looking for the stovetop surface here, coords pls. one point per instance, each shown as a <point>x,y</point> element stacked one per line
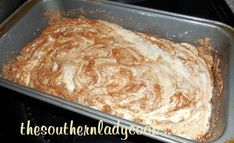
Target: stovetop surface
<point>217,10</point>
<point>16,108</point>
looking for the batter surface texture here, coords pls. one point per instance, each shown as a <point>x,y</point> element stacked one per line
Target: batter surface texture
<point>132,75</point>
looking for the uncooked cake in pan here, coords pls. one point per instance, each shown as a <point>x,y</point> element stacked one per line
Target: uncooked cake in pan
<point>135,76</point>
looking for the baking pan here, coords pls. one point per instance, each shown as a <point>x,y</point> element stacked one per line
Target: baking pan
<point>29,20</point>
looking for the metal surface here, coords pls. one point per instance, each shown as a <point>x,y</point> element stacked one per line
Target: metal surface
<point>29,20</point>
<point>230,4</point>
<point>127,1</point>
<point>224,10</point>
<point>8,6</point>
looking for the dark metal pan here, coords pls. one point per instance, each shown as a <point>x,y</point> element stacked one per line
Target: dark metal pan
<point>29,20</point>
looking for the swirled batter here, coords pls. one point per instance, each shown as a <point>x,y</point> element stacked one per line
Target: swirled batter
<point>135,76</point>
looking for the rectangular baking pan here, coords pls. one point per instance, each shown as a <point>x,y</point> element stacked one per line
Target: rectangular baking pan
<point>29,20</point>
